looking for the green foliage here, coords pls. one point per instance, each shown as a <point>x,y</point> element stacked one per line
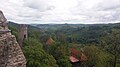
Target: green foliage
<point>82,35</point>
<point>14,30</point>
<point>61,53</point>
<point>111,43</point>
<point>44,38</point>
<point>106,54</point>
<point>34,33</point>
<point>64,62</point>
<point>36,56</point>
<point>96,56</point>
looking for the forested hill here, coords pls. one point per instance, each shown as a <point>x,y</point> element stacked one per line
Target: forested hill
<point>29,26</point>
<point>79,33</point>
<point>71,33</point>
<point>56,26</point>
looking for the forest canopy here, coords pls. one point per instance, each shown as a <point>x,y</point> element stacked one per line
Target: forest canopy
<point>100,43</point>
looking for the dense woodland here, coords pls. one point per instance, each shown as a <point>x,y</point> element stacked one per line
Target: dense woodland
<point>99,42</point>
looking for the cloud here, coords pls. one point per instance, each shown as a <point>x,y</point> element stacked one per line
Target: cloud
<point>41,5</point>
<point>68,11</point>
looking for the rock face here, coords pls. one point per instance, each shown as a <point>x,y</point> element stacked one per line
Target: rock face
<point>11,54</point>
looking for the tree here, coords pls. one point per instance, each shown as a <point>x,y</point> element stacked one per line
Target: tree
<point>96,56</point>
<point>111,43</point>
<point>61,53</point>
<point>36,56</point>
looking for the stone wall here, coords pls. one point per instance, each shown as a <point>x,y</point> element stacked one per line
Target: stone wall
<point>11,54</point>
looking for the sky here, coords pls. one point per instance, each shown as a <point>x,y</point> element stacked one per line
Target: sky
<point>61,11</point>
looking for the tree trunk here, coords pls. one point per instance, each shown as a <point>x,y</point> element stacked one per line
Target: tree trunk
<point>115,61</point>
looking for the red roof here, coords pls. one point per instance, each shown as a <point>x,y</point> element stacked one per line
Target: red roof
<point>78,54</point>
<point>50,41</point>
<point>73,59</point>
<point>75,52</point>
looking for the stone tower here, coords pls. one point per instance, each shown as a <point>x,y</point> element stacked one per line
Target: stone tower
<point>22,33</point>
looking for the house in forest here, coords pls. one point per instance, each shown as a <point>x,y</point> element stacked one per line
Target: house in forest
<point>49,41</point>
<point>77,58</point>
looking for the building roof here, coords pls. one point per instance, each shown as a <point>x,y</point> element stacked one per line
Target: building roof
<point>75,52</point>
<point>78,54</point>
<point>49,41</point>
<point>73,59</point>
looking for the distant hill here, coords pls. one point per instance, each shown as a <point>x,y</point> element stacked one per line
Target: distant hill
<point>79,33</point>
<point>17,25</point>
<point>57,26</point>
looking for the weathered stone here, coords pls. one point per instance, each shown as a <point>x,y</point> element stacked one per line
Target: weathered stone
<point>11,54</point>
<point>22,34</point>
<point>2,17</point>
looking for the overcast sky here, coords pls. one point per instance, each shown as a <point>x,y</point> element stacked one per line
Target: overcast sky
<point>61,11</point>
